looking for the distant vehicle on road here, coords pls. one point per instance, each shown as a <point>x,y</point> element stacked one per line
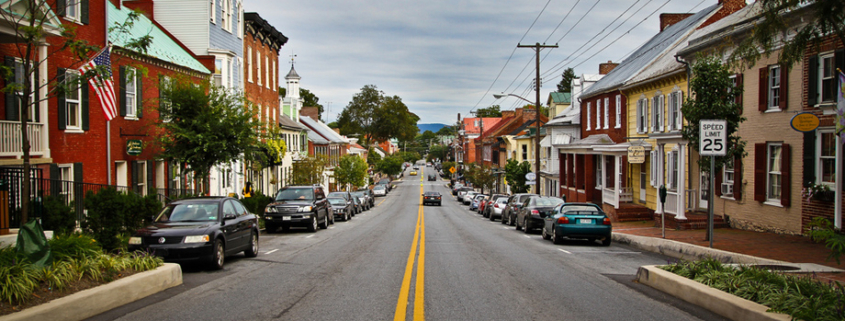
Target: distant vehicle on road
<point>380,190</point>
<point>413,173</point>
<point>432,197</point>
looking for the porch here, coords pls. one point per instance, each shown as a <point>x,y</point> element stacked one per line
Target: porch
<point>11,138</point>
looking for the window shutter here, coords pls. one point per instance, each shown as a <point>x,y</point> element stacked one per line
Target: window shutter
<point>55,180</point>
<point>60,100</point>
<point>763,94</point>
<point>639,115</point>
<point>738,178</point>
<point>55,174</point>
<point>809,158</point>
<point>122,90</point>
<point>680,111</point>
<point>813,82</point>
<point>83,8</point>
<point>139,95</point>
<point>77,173</point>
<point>61,7</point>
<point>662,112</point>
<point>133,180</point>
<point>717,188</point>
<point>84,105</point>
<point>739,85</point>
<point>786,177</point>
<point>760,172</point>
<point>784,85</point>
<point>150,174</point>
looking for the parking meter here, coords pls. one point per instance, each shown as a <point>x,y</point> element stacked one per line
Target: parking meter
<point>662,194</point>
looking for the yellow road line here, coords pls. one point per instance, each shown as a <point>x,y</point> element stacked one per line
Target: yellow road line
<point>404,291</point>
<point>419,294</point>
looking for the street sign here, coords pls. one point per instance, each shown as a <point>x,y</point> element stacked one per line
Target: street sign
<point>530,182</point>
<point>134,147</point>
<point>452,169</point>
<point>712,140</point>
<point>530,176</point>
<point>636,154</point>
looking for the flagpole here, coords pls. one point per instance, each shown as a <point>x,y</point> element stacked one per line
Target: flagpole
<point>108,134</point>
<point>837,204</point>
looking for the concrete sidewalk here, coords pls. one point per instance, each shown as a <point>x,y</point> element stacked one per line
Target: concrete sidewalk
<point>777,247</point>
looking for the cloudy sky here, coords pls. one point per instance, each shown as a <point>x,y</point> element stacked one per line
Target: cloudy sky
<point>449,57</point>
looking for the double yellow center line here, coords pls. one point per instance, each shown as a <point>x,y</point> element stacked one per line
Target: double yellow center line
<point>419,293</point>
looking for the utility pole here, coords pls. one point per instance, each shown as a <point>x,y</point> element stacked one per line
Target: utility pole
<point>537,47</point>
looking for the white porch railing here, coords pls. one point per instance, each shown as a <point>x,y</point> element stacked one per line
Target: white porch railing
<point>625,195</point>
<point>609,196</point>
<point>11,138</point>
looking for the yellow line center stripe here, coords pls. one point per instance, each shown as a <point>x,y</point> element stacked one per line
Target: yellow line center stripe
<point>404,291</point>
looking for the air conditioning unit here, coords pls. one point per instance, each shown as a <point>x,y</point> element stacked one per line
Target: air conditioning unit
<point>727,189</point>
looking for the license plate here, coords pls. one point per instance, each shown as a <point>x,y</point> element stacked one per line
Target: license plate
<point>285,218</point>
<point>585,221</point>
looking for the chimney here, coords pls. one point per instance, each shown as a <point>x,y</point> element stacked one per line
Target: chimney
<point>336,130</point>
<point>606,67</point>
<point>728,7</point>
<point>507,114</point>
<point>312,112</point>
<point>143,6</point>
<point>668,19</point>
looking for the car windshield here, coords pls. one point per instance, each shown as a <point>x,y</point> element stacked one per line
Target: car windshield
<point>502,200</point>
<point>188,212</point>
<point>379,187</point>
<point>547,201</point>
<point>580,210</point>
<point>479,196</point>
<point>338,194</point>
<point>337,201</point>
<point>432,194</point>
<point>293,194</point>
<point>358,194</point>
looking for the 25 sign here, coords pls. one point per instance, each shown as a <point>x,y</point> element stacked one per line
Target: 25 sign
<point>712,140</point>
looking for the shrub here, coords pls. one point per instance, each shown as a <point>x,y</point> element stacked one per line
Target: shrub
<point>74,246</point>
<point>112,213</point>
<point>57,216</point>
<point>257,203</point>
<point>822,230</point>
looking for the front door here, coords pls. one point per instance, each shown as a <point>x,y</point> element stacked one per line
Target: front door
<point>643,183</point>
<point>704,185</point>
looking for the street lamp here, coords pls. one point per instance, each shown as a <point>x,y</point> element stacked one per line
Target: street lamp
<point>536,137</point>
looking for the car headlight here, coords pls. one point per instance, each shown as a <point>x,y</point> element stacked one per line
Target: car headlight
<point>270,209</point>
<point>135,240</point>
<point>196,239</point>
<point>305,209</point>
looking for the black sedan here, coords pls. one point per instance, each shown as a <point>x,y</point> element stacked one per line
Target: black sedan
<point>341,208</point>
<point>200,229</point>
<point>432,197</point>
<point>530,213</point>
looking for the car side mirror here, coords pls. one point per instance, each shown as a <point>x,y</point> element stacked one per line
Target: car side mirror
<point>229,217</point>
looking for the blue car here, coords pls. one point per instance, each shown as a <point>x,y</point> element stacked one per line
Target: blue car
<point>577,221</point>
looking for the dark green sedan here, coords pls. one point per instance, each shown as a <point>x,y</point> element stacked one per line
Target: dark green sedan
<point>577,221</point>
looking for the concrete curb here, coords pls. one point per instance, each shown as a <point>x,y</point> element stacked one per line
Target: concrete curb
<point>686,251</point>
<point>93,301</point>
<point>717,301</point>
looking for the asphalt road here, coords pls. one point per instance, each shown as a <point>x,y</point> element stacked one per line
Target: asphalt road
<point>403,261</point>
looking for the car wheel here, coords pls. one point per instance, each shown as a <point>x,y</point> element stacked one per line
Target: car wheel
<point>517,223</point>
<point>546,236</point>
<point>330,215</point>
<point>313,226</point>
<point>219,255</point>
<point>490,216</point>
<point>555,238</point>
<point>606,241</point>
<point>346,216</point>
<point>525,227</point>
<point>503,219</point>
<point>325,223</point>
<point>252,251</point>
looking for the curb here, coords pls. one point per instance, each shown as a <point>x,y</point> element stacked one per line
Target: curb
<point>686,251</point>
<point>96,300</point>
<point>717,301</point>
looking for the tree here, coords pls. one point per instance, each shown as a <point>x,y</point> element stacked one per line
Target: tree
<point>333,125</point>
<point>565,85</point>
<point>360,114</point>
<point>204,126</point>
<point>308,171</point>
<point>391,165</point>
<point>351,170</point>
<point>426,137</point>
<point>515,174</point>
<point>33,24</point>
<point>372,157</point>
<point>715,98</point>
<point>445,166</point>
<point>446,131</point>
<point>376,117</point>
<point>823,19</point>
<point>394,120</point>
<point>309,99</point>
<point>438,152</point>
<point>492,111</point>
<point>410,157</point>
<point>480,176</point>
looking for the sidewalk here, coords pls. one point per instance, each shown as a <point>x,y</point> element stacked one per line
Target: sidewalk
<point>794,249</point>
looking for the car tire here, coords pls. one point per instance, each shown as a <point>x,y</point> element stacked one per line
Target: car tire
<point>313,227</point>
<point>546,236</point>
<point>555,238</point>
<point>252,250</point>
<point>490,216</point>
<point>525,227</point>
<point>606,241</point>
<point>346,216</point>
<point>219,255</point>
<point>325,223</point>
<point>330,215</point>
<point>503,219</point>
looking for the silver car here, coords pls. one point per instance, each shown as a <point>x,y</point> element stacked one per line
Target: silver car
<point>496,208</point>
<point>468,197</point>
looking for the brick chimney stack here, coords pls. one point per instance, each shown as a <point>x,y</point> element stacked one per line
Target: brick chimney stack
<point>668,19</point>
<point>507,114</point>
<point>606,67</point>
<point>312,112</point>
<point>728,7</point>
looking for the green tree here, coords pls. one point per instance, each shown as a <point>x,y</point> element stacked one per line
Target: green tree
<point>480,176</point>
<point>333,125</point>
<point>410,157</point>
<point>445,166</point>
<point>204,126</point>
<point>565,84</point>
<point>715,98</point>
<point>372,157</point>
<point>376,117</point>
<point>438,152</point>
<point>492,111</point>
<point>515,174</point>
<point>394,120</point>
<point>308,171</point>
<point>446,131</point>
<point>426,137</point>
<point>819,19</point>
<point>391,165</point>
<point>351,170</point>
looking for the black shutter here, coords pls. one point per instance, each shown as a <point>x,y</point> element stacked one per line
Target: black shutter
<point>122,90</point>
<point>738,178</point>
<point>809,158</point>
<point>11,111</point>
<point>61,7</point>
<point>763,94</point>
<point>760,172</point>
<point>813,82</point>
<point>134,175</point>
<point>783,91</point>
<point>83,8</point>
<point>139,94</point>
<point>839,58</point>
<point>60,98</point>
<point>55,180</point>
<point>77,173</point>
<point>84,105</point>
<point>150,174</point>
<point>786,176</point>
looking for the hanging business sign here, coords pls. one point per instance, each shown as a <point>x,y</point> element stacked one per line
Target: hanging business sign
<point>636,154</point>
<point>134,147</point>
<point>804,122</point>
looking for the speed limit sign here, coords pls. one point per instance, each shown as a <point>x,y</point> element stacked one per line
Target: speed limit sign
<point>713,136</point>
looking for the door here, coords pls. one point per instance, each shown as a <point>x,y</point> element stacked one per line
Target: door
<point>643,183</point>
<point>233,228</point>
<point>704,185</point>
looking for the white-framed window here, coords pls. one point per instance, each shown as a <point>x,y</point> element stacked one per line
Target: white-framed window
<point>827,78</point>
<point>273,78</point>
<point>66,171</point>
<point>618,111</point>
<point>589,106</point>
<point>773,171</point>
<point>218,72</point>
<point>826,155</point>
<point>728,171</point>
<point>258,66</point>
<point>73,101</point>
<point>675,117</point>
<point>653,162</point>
<point>241,69</point>
<point>249,65</point>
<point>240,19</point>
<point>267,70</point>
<point>606,113</point>
<point>598,114</point>
<point>73,10</point>
<point>599,171</point>
<point>131,92</point>
<point>657,113</point>
<point>672,170</point>
<point>642,115</point>
<point>774,87</point>
<point>141,178</point>
<point>165,102</point>
<point>212,11</point>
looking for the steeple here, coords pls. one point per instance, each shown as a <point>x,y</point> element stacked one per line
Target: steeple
<point>292,80</point>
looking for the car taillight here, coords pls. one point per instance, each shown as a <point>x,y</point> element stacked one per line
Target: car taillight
<point>438,197</point>
<point>563,220</point>
<point>496,206</point>
<point>606,221</point>
<point>535,212</point>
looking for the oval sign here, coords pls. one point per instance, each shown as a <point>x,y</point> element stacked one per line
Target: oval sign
<point>804,122</point>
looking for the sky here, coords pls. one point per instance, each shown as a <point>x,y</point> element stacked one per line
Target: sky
<point>448,57</point>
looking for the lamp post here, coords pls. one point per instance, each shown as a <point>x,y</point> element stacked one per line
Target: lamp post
<point>536,138</point>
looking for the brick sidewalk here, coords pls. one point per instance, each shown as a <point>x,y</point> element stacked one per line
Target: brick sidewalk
<point>789,248</point>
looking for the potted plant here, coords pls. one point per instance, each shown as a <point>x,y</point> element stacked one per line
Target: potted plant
<point>819,192</point>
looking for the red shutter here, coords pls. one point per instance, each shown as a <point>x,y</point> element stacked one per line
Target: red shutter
<point>760,172</point>
<point>739,85</point>
<point>738,178</point>
<point>763,97</point>
<point>785,187</point>
<point>784,84</point>
<point>717,188</point>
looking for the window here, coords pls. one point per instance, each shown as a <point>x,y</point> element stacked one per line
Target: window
<point>212,7</point>
<point>728,170</point>
<point>826,157</point>
<point>218,72</point>
<point>140,177</point>
<point>657,113</point>
<point>642,115</point>
<point>588,115</point>
<point>618,111</point>
<point>598,114</point>
<point>258,65</point>
<point>675,118</point>
<point>73,10</point>
<point>249,65</point>
<point>599,171</point>
<point>672,172</point>
<point>273,78</point>
<point>267,71</point>
<point>73,100</point>
<point>774,87</point>
<point>606,113</point>
<point>67,177</point>
<point>131,96</point>
<point>241,69</point>
<point>225,16</point>
<point>240,20</point>
<point>773,172</point>
<point>827,77</point>
<point>653,162</point>
<point>524,152</point>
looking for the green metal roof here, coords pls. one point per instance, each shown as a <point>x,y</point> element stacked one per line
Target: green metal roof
<point>561,98</point>
<point>162,46</point>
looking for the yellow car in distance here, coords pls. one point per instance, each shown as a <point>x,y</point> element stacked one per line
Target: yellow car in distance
<point>413,173</point>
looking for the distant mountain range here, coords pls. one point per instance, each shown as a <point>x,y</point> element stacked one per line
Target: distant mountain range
<point>431,127</point>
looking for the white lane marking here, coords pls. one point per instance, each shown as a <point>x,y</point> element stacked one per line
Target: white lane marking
<point>608,252</point>
<point>526,236</point>
<point>507,228</point>
<point>564,251</point>
<point>310,236</point>
<point>268,252</point>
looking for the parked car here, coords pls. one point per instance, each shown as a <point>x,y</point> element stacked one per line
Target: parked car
<point>577,220</point>
<point>364,198</point>
<point>386,183</point>
<point>432,197</point>
<point>495,209</point>
<point>455,188</point>
<point>200,229</point>
<point>514,203</point>
<point>298,206</point>
<point>467,199</point>
<point>528,217</point>
<point>341,208</point>
<point>461,192</point>
<point>488,204</point>
<point>379,190</point>
<point>370,196</point>
<point>349,198</point>
<point>476,201</point>
<point>358,205</point>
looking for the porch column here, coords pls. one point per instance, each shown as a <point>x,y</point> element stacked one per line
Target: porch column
<point>617,178</point>
<point>682,182</point>
<point>43,105</point>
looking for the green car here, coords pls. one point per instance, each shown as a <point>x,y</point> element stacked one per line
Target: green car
<point>578,221</point>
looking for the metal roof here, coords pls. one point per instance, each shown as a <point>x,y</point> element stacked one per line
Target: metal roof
<point>292,74</point>
<point>286,122</point>
<point>561,98</point>
<point>161,46</point>
<point>324,130</point>
<point>316,138</point>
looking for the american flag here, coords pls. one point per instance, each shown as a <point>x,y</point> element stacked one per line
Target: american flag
<point>102,83</point>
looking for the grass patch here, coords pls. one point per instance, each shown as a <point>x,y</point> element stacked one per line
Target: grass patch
<point>802,298</point>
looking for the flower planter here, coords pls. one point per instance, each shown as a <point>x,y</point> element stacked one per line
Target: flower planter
<point>824,196</point>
